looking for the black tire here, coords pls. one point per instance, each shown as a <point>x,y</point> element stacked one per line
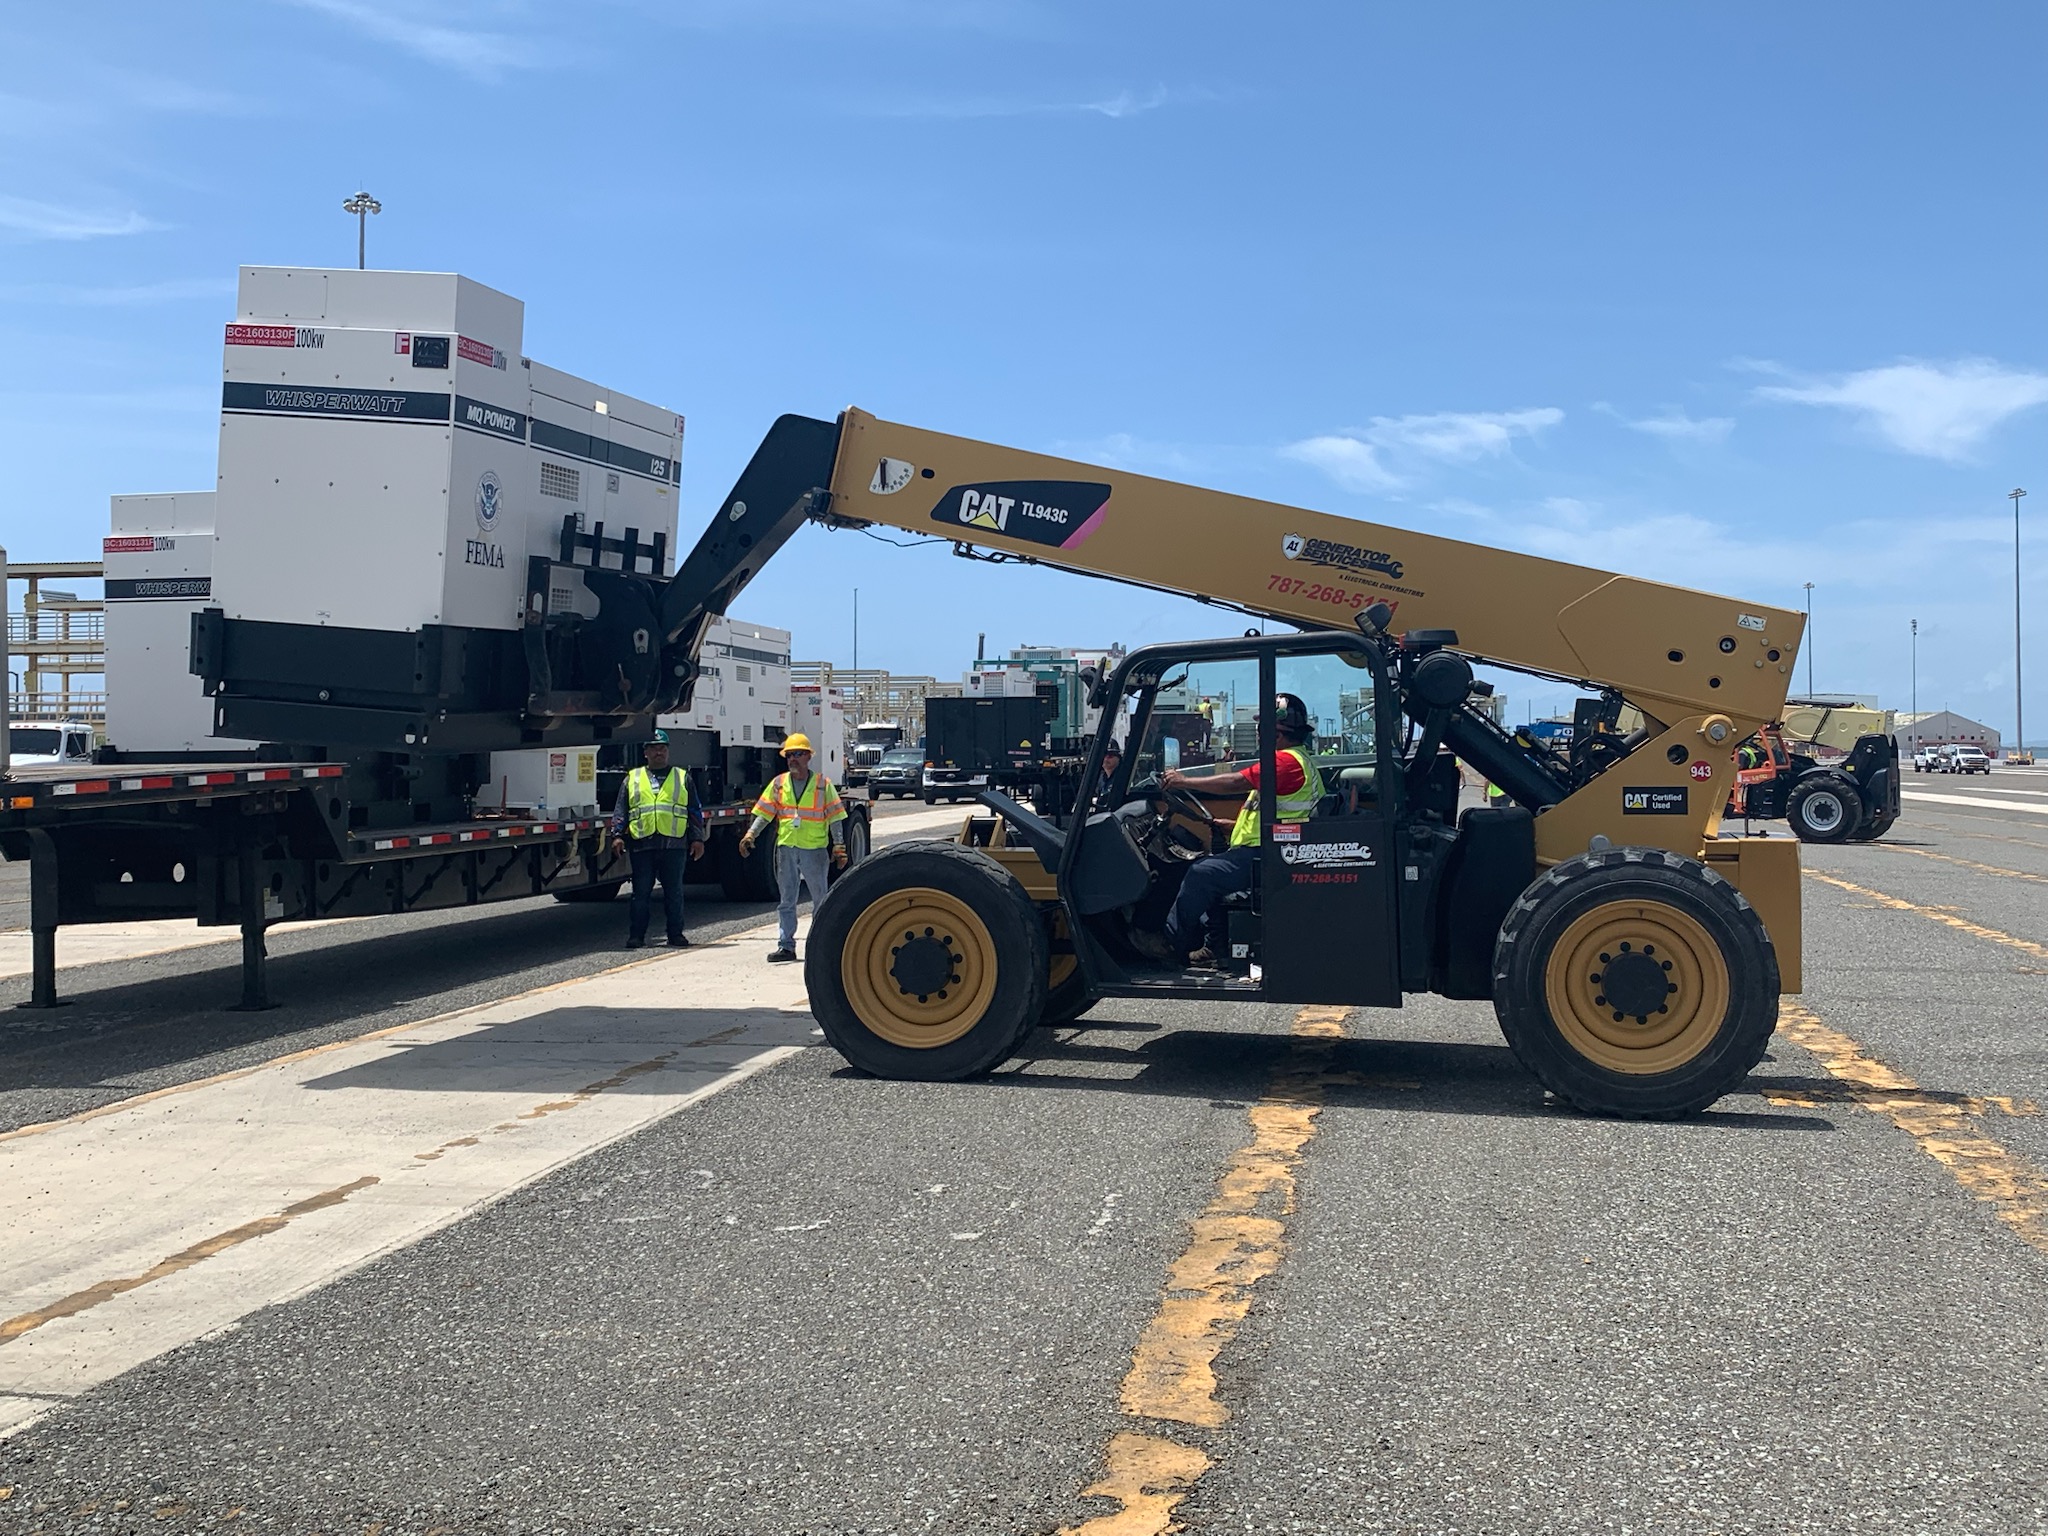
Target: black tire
<point>1068,998</point>
<point>857,850</point>
<point>1002,956</point>
<point>748,877</point>
<point>1876,827</point>
<point>930,798</point>
<point>592,893</point>
<point>1825,808</point>
<point>1727,1004</point>
<point>1067,1001</point>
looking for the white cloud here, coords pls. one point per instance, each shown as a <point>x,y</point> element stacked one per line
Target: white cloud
<point>1673,425</point>
<point>1937,410</point>
<point>475,52</point>
<point>1352,464</point>
<point>50,221</point>
<point>1120,450</point>
<point>121,297</point>
<point>1124,103</point>
<point>1383,456</point>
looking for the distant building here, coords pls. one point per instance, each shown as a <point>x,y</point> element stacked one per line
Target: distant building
<point>1944,727</point>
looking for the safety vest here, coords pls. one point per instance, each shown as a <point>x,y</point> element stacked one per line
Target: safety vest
<point>657,810</point>
<point>801,822</point>
<point>1297,806</point>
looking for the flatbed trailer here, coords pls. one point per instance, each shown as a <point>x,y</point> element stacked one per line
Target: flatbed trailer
<point>249,844</point>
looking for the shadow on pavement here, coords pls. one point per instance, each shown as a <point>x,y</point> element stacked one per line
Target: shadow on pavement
<point>581,1050</point>
<point>1423,1076</point>
<point>322,978</point>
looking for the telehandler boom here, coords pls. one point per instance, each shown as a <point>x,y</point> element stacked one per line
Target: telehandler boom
<point>1634,957</point>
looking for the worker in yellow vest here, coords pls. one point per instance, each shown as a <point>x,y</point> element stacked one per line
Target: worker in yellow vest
<point>654,822</point>
<point>810,829</point>
<point>1193,929</point>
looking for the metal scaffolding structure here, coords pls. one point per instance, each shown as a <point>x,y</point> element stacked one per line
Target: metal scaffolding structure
<point>57,637</point>
<point>873,694</point>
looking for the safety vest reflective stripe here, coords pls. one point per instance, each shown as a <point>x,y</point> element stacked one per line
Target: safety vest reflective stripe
<point>662,811</point>
<point>1295,805</point>
<point>805,822</point>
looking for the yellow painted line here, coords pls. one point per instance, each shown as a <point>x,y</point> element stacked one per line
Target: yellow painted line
<point>1937,914</point>
<point>1949,858</point>
<point>1941,1125</point>
<point>1236,1242</point>
<point>220,1242</point>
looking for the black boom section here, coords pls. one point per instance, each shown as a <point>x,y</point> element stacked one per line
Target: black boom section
<point>786,481</point>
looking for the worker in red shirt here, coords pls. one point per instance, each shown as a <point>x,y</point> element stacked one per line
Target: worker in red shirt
<point>1193,928</point>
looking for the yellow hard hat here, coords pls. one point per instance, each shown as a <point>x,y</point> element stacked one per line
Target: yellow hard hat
<point>796,741</point>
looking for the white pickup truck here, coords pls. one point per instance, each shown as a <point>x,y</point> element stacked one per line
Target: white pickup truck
<point>49,743</point>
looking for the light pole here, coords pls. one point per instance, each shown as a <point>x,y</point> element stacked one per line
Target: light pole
<point>362,205</point>
<point>2019,698</point>
<point>856,658</point>
<point>1915,711</point>
<point>1809,639</point>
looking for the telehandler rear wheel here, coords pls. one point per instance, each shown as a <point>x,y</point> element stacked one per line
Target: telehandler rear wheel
<point>1824,808</point>
<point>926,961</point>
<point>1637,983</point>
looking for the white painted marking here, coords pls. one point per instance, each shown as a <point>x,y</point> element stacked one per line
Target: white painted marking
<point>809,1226</point>
<point>1977,800</point>
<point>420,1125</point>
<point>965,1237</point>
<point>1109,1205</point>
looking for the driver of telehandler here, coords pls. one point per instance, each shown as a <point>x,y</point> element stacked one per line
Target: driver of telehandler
<point>1193,928</point>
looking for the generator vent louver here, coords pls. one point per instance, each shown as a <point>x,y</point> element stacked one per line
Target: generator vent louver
<point>558,481</point>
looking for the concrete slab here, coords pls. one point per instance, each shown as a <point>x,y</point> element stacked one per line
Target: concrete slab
<point>152,1222</point>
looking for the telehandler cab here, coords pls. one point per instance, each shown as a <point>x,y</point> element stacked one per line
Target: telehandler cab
<point>1634,956</point>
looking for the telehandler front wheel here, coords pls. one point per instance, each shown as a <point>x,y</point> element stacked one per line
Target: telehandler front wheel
<point>926,961</point>
<point>1637,983</point>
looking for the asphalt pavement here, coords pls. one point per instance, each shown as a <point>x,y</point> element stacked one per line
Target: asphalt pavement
<point>1254,1270</point>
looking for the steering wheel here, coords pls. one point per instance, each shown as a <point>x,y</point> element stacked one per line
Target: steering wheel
<point>1177,840</point>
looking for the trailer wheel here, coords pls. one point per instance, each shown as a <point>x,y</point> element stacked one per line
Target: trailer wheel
<point>926,962</point>
<point>592,893</point>
<point>1824,808</point>
<point>749,877</point>
<point>856,850</point>
<point>1636,983</point>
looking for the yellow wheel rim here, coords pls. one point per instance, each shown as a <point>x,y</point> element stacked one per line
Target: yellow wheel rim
<point>1637,987</point>
<point>919,968</point>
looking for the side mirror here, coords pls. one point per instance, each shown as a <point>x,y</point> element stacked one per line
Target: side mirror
<point>1170,750</point>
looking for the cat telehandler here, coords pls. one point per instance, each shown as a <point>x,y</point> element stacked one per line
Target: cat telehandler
<point>1633,955</point>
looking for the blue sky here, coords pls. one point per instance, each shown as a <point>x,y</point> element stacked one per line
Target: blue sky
<point>1736,295</point>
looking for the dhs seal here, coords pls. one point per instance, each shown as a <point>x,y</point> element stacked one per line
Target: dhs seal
<point>488,502</point>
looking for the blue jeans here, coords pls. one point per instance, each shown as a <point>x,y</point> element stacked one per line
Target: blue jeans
<point>653,862</point>
<point>1197,910</point>
<point>792,865</point>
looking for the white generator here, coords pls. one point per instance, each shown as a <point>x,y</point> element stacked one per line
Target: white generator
<point>388,459</point>
<point>998,683</point>
<point>159,572</point>
<point>426,540</point>
<point>742,689</point>
<point>542,782</point>
<point>820,713</point>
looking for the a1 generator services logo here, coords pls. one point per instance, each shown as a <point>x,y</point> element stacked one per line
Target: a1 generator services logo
<point>489,501</point>
<point>1343,557</point>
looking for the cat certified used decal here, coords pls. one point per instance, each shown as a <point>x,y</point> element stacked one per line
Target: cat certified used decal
<point>1058,513</point>
<point>1654,802</point>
